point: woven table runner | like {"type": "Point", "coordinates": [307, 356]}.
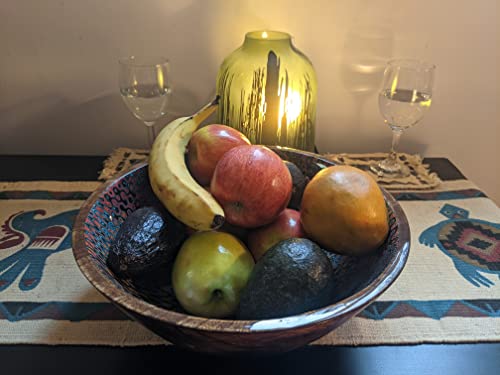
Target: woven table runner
{"type": "Point", "coordinates": [420, 177]}
{"type": "Point", "coordinates": [444, 295]}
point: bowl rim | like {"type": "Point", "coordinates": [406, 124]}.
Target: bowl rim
{"type": "Point", "coordinates": [354, 302]}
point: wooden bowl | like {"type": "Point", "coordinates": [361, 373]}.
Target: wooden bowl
{"type": "Point", "coordinates": [152, 302]}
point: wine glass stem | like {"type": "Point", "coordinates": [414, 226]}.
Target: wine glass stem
{"type": "Point", "coordinates": [151, 133]}
{"type": "Point", "coordinates": [396, 135]}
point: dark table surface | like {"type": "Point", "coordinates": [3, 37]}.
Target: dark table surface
{"type": "Point", "coordinates": [422, 359]}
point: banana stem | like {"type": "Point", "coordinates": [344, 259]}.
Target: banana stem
{"type": "Point", "coordinates": [206, 111]}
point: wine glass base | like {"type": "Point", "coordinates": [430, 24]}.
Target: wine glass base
{"type": "Point", "coordinates": [390, 168]}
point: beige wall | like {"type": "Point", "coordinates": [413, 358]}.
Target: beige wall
{"type": "Point", "coordinates": [58, 89]}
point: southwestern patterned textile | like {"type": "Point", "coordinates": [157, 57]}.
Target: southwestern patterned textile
{"type": "Point", "coordinates": [420, 178]}
{"type": "Point", "coordinates": [449, 290]}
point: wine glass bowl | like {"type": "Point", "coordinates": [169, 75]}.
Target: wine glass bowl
{"type": "Point", "coordinates": [144, 87]}
{"type": "Point", "coordinates": [405, 97]}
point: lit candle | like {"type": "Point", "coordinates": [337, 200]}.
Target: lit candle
{"type": "Point", "coordinates": [268, 91]}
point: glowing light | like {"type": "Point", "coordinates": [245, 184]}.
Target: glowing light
{"type": "Point", "coordinates": [159, 77]}
{"type": "Point", "coordinates": [394, 85]}
{"type": "Point", "coordinates": [291, 106]}
{"type": "Point", "coordinates": [414, 96]}
{"type": "Point", "coordinates": [264, 34]}
{"type": "Point", "coordinates": [426, 103]}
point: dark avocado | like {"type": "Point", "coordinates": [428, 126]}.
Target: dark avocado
{"type": "Point", "coordinates": [293, 277]}
{"type": "Point", "coordinates": [333, 257]}
{"type": "Point", "coordinates": [299, 182]}
{"type": "Point", "coordinates": [147, 239]}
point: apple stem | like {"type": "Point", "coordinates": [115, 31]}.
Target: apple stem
{"type": "Point", "coordinates": [237, 205]}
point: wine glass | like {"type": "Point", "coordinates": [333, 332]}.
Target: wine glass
{"type": "Point", "coordinates": [403, 101]}
{"type": "Point", "coordinates": [144, 87]}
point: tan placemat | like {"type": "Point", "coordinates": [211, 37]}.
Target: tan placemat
{"type": "Point", "coordinates": [120, 160]}
{"type": "Point", "coordinates": [441, 296]}
{"type": "Point", "coordinates": [420, 176]}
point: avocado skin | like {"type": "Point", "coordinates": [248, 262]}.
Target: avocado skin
{"type": "Point", "coordinates": [147, 239]}
{"type": "Point", "coordinates": [293, 277]}
{"type": "Point", "coordinates": [299, 183]}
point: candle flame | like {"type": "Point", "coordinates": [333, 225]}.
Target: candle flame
{"type": "Point", "coordinates": [291, 106]}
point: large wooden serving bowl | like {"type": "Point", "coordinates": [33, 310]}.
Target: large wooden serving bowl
{"type": "Point", "coordinates": [152, 302]}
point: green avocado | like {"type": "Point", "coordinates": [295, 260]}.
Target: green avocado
{"type": "Point", "coordinates": [293, 277]}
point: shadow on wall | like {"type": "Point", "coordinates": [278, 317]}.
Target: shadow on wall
{"type": "Point", "coordinates": [365, 53]}
{"type": "Point", "coordinates": [68, 117]}
{"type": "Point", "coordinates": [100, 124]}
{"type": "Point", "coordinates": [367, 49]}
{"type": "Point", "coordinates": [367, 46]}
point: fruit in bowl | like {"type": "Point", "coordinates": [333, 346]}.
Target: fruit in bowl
{"type": "Point", "coordinates": [147, 239]}
{"type": "Point", "coordinates": [287, 225]}
{"type": "Point", "coordinates": [207, 145]}
{"type": "Point", "coordinates": [209, 273]}
{"type": "Point", "coordinates": [171, 181]}
{"type": "Point", "coordinates": [168, 183]}
{"type": "Point", "coordinates": [344, 210]}
{"type": "Point", "coordinates": [292, 277]}
{"type": "Point", "coordinates": [299, 183]}
{"type": "Point", "coordinates": [252, 185]}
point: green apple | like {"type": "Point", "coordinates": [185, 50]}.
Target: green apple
{"type": "Point", "coordinates": [209, 273]}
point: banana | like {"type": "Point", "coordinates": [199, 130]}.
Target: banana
{"type": "Point", "coordinates": [171, 181]}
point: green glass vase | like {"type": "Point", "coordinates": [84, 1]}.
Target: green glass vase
{"type": "Point", "coordinates": [267, 91]}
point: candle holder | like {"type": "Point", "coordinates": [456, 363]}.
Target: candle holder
{"type": "Point", "coordinates": [267, 91]}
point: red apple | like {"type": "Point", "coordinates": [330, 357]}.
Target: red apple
{"type": "Point", "coordinates": [252, 184]}
{"type": "Point", "coordinates": [287, 225]}
{"type": "Point", "coordinates": [206, 147]}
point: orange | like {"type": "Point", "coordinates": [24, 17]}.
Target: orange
{"type": "Point", "coordinates": [343, 209]}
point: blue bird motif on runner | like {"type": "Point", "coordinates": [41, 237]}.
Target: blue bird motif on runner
{"type": "Point", "coordinates": [36, 237]}
{"type": "Point", "coordinates": [472, 244]}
